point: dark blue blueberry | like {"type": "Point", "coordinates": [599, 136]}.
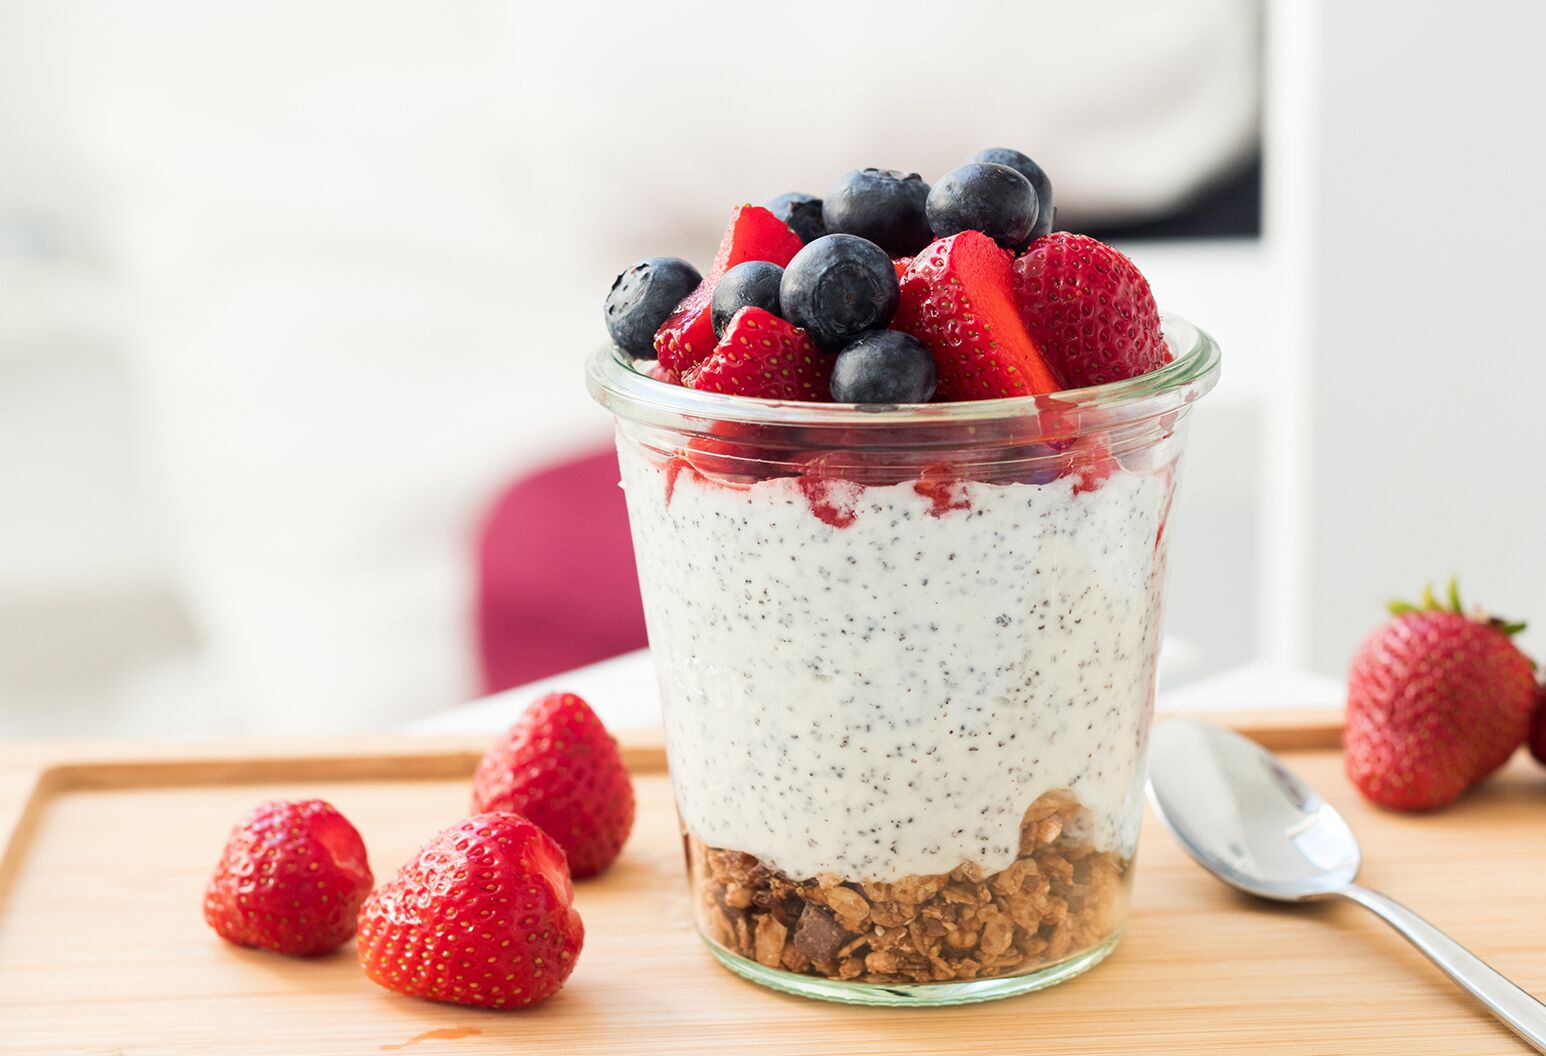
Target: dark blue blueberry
{"type": "Point", "coordinates": [886, 366]}
{"type": "Point", "coordinates": [882, 205]}
{"type": "Point", "coordinates": [641, 299]}
{"type": "Point", "coordinates": [802, 212]}
{"type": "Point", "coordinates": [751, 283]}
{"type": "Point", "coordinates": [1031, 171]}
{"type": "Point", "coordinates": [981, 196]}
{"type": "Point", "coordinates": [838, 287]}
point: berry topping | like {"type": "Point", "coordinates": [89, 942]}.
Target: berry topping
{"type": "Point", "coordinates": [761, 355]}
{"type": "Point", "coordinates": [751, 284]}
{"type": "Point", "coordinates": [687, 335]}
{"type": "Point", "coordinates": [802, 212]}
{"type": "Point", "coordinates": [559, 767]}
{"type": "Point", "coordinates": [883, 205]}
{"type": "Point", "coordinates": [483, 916]}
{"type": "Point", "coordinates": [838, 287]}
{"type": "Point", "coordinates": [980, 196]}
{"type": "Point", "coordinates": [956, 299]}
{"type": "Point", "coordinates": [641, 299]}
{"type": "Point", "coordinates": [887, 366]}
{"type": "Point", "coordinates": [1031, 171]}
{"type": "Point", "coordinates": [1436, 701]}
{"type": "Point", "coordinates": [291, 880]}
{"type": "Point", "coordinates": [944, 488]}
{"type": "Point", "coordinates": [1089, 309]}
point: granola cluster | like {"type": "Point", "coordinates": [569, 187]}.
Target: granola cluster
{"type": "Point", "coordinates": [1060, 896]}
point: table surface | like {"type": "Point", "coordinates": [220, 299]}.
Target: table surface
{"type": "Point", "coordinates": [103, 949]}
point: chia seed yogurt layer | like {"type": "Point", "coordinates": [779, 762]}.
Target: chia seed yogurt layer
{"type": "Point", "coordinates": [885, 697]}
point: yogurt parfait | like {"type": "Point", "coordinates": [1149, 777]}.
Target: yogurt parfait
{"type": "Point", "coordinates": [899, 467]}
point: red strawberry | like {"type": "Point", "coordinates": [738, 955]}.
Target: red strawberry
{"type": "Point", "coordinates": [559, 767]}
{"type": "Point", "coordinates": [687, 335]}
{"type": "Point", "coordinates": [901, 264]}
{"type": "Point", "coordinates": [291, 880]}
{"type": "Point", "coordinates": [1538, 728]}
{"type": "Point", "coordinates": [652, 369]}
{"type": "Point", "coordinates": [762, 355]}
{"type": "Point", "coordinates": [1436, 702]}
{"type": "Point", "coordinates": [942, 485]}
{"type": "Point", "coordinates": [956, 299]}
{"type": "Point", "coordinates": [1089, 310]}
{"type": "Point", "coordinates": [483, 916]}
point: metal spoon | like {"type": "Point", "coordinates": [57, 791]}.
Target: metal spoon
{"type": "Point", "coordinates": [1245, 818]}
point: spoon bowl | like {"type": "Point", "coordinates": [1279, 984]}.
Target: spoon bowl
{"type": "Point", "coordinates": [1246, 817]}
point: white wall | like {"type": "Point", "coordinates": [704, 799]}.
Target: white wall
{"type": "Point", "coordinates": [1406, 150]}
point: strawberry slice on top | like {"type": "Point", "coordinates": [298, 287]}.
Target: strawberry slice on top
{"type": "Point", "coordinates": [764, 356]}
{"type": "Point", "coordinates": [957, 300]}
{"type": "Point", "coordinates": [687, 336]}
{"type": "Point", "coordinates": [1089, 309]}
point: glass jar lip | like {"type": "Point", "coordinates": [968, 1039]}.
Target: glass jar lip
{"type": "Point", "coordinates": [616, 383]}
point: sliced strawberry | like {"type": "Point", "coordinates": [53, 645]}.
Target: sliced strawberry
{"type": "Point", "coordinates": [1089, 310]}
{"type": "Point", "coordinates": [942, 485]}
{"type": "Point", "coordinates": [652, 369]}
{"type": "Point", "coordinates": [762, 355]}
{"type": "Point", "coordinates": [956, 299]}
{"type": "Point", "coordinates": [687, 335]}
{"type": "Point", "coordinates": [832, 499]}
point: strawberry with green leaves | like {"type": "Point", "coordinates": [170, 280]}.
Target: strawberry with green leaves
{"type": "Point", "coordinates": [1438, 699]}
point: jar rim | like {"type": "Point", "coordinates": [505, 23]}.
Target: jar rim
{"type": "Point", "coordinates": [616, 383]}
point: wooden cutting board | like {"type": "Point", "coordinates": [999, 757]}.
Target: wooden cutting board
{"type": "Point", "coordinates": [104, 852]}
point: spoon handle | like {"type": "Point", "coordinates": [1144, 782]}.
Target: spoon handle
{"type": "Point", "coordinates": [1523, 1013]}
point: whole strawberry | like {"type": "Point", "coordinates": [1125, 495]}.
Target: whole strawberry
{"type": "Point", "coordinates": [1089, 310]}
{"type": "Point", "coordinates": [559, 767]}
{"type": "Point", "coordinates": [1437, 700]}
{"type": "Point", "coordinates": [291, 880]}
{"type": "Point", "coordinates": [483, 916]}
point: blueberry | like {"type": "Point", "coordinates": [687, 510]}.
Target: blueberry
{"type": "Point", "coordinates": [641, 299]}
{"type": "Point", "coordinates": [981, 196]}
{"type": "Point", "coordinates": [1031, 171]}
{"type": "Point", "coordinates": [882, 205]}
{"type": "Point", "coordinates": [752, 282]}
{"type": "Point", "coordinates": [838, 287]}
{"type": "Point", "coordinates": [887, 366]}
{"type": "Point", "coordinates": [802, 212]}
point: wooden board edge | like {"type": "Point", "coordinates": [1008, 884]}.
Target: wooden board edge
{"type": "Point", "coordinates": [1287, 730]}
{"type": "Point", "coordinates": [30, 772]}
{"type": "Point", "coordinates": [77, 764]}
{"type": "Point", "coordinates": [23, 792]}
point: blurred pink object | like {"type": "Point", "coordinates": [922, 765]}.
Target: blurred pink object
{"type": "Point", "coordinates": [556, 581]}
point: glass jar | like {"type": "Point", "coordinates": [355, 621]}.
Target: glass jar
{"type": "Point", "coordinates": [906, 659]}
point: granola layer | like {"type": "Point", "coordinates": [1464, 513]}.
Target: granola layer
{"type": "Point", "coordinates": [1060, 896]}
